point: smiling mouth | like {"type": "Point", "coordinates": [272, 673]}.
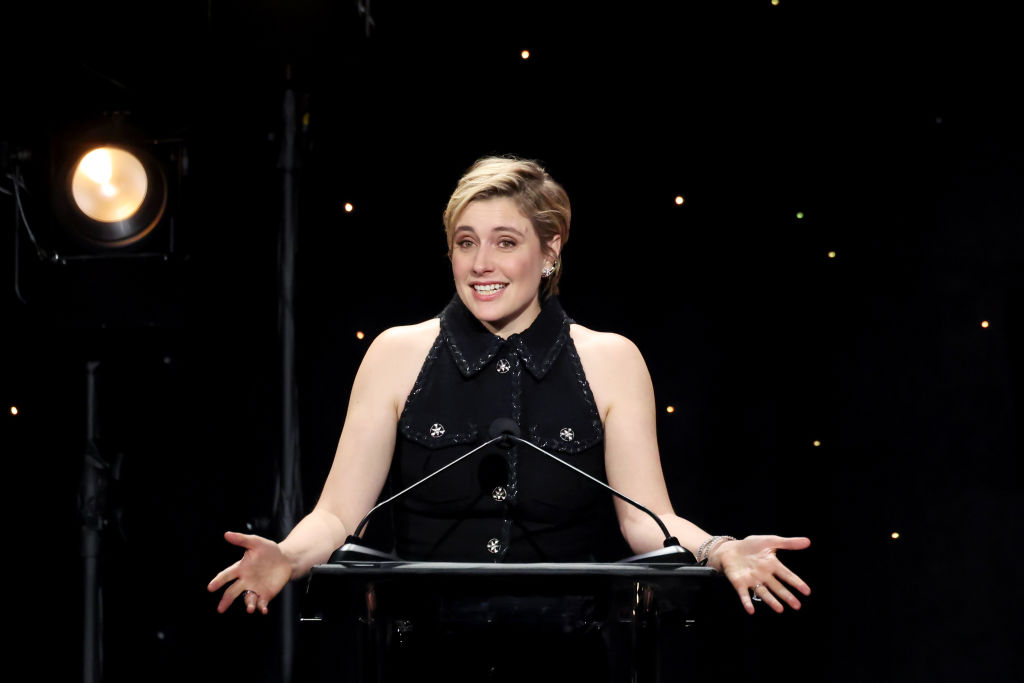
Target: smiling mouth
{"type": "Point", "coordinates": [489, 289]}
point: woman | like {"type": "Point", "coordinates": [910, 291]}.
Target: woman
{"type": "Point", "coordinates": [503, 348]}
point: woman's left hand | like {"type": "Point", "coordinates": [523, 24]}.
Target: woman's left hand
{"type": "Point", "coordinates": [756, 573]}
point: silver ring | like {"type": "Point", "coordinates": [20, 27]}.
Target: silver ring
{"type": "Point", "coordinates": [755, 597]}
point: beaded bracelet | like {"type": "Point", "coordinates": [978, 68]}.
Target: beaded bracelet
{"type": "Point", "coordinates": [704, 551]}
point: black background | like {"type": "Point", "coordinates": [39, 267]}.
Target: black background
{"type": "Point", "coordinates": [894, 131]}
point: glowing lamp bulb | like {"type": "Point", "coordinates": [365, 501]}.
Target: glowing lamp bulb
{"type": "Point", "coordinates": [348, 207]}
{"type": "Point", "coordinates": [816, 443]}
{"type": "Point", "coordinates": [894, 535]}
{"type": "Point", "coordinates": [14, 410]}
{"type": "Point", "coordinates": [984, 323]}
{"type": "Point", "coordinates": [109, 184]}
{"type": "Point", "coordinates": [97, 166]}
{"type": "Point", "coordinates": [525, 54]}
{"type": "Point", "coordinates": [831, 254]}
{"type": "Point", "coordinates": [799, 215]}
{"type": "Point", "coordinates": [360, 335]}
{"type": "Point", "coordinates": [679, 200]}
{"type": "Point", "coordinates": [670, 409]}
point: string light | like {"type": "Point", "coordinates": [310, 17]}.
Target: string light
{"type": "Point", "coordinates": [670, 409]}
{"type": "Point", "coordinates": [816, 443]}
{"type": "Point", "coordinates": [799, 215]}
{"type": "Point", "coordinates": [348, 207]}
{"type": "Point", "coordinates": [14, 410]}
{"type": "Point", "coordinates": [525, 54]}
{"type": "Point", "coordinates": [775, 3]}
{"type": "Point", "coordinates": [831, 254]}
{"type": "Point", "coordinates": [895, 535]}
{"type": "Point", "coordinates": [679, 200]}
{"type": "Point", "coordinates": [360, 335]}
{"type": "Point", "coordinates": [984, 323]}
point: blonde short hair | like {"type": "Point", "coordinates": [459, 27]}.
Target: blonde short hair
{"type": "Point", "coordinates": [539, 198]}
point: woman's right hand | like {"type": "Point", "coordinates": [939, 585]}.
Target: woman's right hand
{"type": "Point", "coordinates": [260, 575]}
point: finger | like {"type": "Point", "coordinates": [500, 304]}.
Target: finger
{"type": "Point", "coordinates": [232, 592]}
{"type": "Point", "coordinates": [226, 575]}
{"type": "Point", "coordinates": [246, 541]}
{"type": "Point", "coordinates": [787, 575]}
{"type": "Point", "coordinates": [765, 594]}
{"type": "Point", "coordinates": [250, 598]}
{"type": "Point", "coordinates": [253, 602]}
{"type": "Point", "coordinates": [793, 543]}
{"type": "Point", "coordinates": [783, 593]}
{"type": "Point", "coordinates": [744, 593]}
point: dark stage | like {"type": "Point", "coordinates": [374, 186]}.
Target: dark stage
{"type": "Point", "coordinates": [834, 311]}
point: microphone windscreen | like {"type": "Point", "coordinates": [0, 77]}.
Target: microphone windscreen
{"type": "Point", "coordinates": [504, 425]}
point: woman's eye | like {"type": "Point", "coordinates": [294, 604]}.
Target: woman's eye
{"type": "Point", "coordinates": [465, 244]}
{"type": "Point", "coordinates": [506, 244]}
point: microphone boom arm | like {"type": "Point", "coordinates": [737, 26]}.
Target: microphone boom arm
{"type": "Point", "coordinates": [430, 476]}
{"type": "Point", "coordinates": [670, 540]}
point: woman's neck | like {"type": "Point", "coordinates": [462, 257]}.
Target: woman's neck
{"type": "Point", "coordinates": [514, 325]}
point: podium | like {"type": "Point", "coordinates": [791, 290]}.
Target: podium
{"type": "Point", "coordinates": [466, 621]}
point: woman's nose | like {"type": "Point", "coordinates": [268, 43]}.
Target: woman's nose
{"type": "Point", "coordinates": [482, 262]}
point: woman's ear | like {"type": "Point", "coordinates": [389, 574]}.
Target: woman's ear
{"type": "Point", "coordinates": [554, 247]}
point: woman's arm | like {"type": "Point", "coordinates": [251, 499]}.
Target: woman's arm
{"type": "Point", "coordinates": [622, 388]}
{"type": "Point", "coordinates": [357, 475]}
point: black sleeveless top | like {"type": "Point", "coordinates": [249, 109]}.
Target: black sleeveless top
{"type": "Point", "coordinates": [502, 505]}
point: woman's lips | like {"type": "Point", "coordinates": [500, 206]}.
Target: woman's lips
{"type": "Point", "coordinates": [488, 291]}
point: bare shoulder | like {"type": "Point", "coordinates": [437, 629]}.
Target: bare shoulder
{"type": "Point", "coordinates": [600, 348]}
{"type": "Point", "coordinates": [406, 338]}
{"type": "Point", "coordinates": [395, 357]}
{"type": "Point", "coordinates": [613, 365]}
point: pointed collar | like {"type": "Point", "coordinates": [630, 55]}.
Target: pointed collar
{"type": "Point", "coordinates": [473, 346]}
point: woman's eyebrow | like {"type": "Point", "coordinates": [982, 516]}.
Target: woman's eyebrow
{"type": "Point", "coordinates": [509, 228]}
{"type": "Point", "coordinates": [500, 228]}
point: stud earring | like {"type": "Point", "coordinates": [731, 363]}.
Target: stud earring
{"type": "Point", "coordinates": [548, 270]}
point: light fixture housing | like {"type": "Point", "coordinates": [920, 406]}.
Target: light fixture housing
{"type": "Point", "coordinates": [109, 194]}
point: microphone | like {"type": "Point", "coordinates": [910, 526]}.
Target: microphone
{"type": "Point", "coordinates": [504, 427]}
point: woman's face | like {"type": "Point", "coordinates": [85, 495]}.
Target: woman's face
{"type": "Point", "coordinates": [497, 261]}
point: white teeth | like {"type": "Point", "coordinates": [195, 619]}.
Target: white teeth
{"type": "Point", "coordinates": [488, 289]}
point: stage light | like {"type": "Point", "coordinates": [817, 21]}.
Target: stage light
{"type": "Point", "coordinates": [679, 200]}
{"type": "Point", "coordinates": [816, 443]}
{"type": "Point", "coordinates": [525, 54]}
{"type": "Point", "coordinates": [831, 254]}
{"type": "Point", "coordinates": [670, 409]}
{"type": "Point", "coordinates": [895, 535]}
{"type": "Point", "coordinates": [96, 236]}
{"type": "Point", "coordinates": [360, 335]}
{"type": "Point", "coordinates": [984, 323]}
{"type": "Point", "coordinates": [348, 207]}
